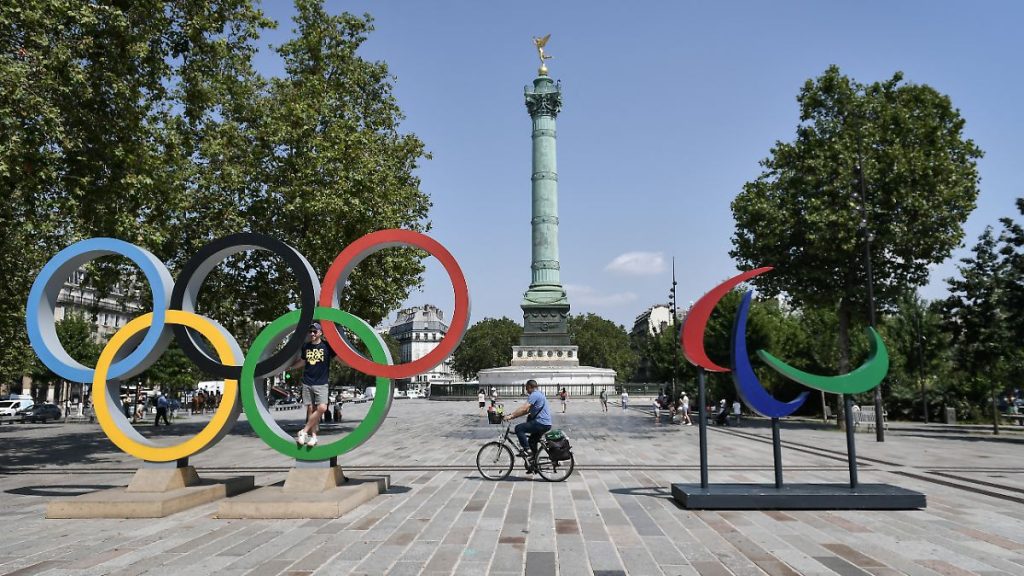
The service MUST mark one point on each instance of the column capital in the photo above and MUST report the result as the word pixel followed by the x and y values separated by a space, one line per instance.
pixel 545 99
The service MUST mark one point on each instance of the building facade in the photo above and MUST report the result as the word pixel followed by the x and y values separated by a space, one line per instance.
pixel 655 320
pixel 111 311
pixel 106 313
pixel 418 331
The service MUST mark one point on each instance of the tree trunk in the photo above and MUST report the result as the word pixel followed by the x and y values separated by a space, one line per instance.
pixel 995 412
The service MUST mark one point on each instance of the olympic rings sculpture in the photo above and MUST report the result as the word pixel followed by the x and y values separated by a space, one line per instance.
pixel 138 344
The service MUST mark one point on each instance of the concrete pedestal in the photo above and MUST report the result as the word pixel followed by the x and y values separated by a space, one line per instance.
pixel 797 497
pixel 152 493
pixel 547 376
pixel 322 492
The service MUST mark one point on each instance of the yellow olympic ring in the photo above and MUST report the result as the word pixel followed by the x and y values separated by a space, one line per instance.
pixel 120 430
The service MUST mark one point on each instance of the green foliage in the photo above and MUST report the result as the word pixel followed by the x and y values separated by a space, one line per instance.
pixel 918 358
pixel 146 121
pixel 343 375
pixel 173 373
pixel 603 344
pixel 487 344
pixel 977 319
pixel 889 155
pixel 1012 253
pixel 75 333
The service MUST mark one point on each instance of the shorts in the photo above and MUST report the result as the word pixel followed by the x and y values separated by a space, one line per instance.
pixel 314 394
pixel 482 404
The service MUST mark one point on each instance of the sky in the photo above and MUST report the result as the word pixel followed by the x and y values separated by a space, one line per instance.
pixel 667 109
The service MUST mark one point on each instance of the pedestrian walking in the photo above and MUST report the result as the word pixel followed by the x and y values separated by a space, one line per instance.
pixel 625 399
pixel 481 399
pixel 161 409
pixel 604 400
pixel 564 397
pixel 686 410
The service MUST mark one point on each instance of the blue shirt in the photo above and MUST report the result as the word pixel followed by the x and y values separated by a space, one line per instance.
pixel 539 408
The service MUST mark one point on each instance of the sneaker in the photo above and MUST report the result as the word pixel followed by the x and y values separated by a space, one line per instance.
pixel 312 441
pixel 301 438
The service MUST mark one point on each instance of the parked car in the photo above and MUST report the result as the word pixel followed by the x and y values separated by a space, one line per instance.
pixel 40 413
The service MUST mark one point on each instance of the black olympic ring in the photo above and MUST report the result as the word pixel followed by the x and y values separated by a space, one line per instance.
pixel 184 295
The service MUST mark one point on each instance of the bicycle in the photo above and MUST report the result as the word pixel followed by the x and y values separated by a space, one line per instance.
pixel 495 460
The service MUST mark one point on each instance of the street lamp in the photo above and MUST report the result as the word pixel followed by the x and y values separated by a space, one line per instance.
pixel 672 305
pixel 879 422
pixel 920 363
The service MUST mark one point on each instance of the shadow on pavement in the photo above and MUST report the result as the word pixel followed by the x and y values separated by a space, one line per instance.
pixel 82 446
pixel 652 492
pixel 59 490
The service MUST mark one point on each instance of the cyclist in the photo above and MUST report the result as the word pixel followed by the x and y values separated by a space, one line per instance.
pixel 538 421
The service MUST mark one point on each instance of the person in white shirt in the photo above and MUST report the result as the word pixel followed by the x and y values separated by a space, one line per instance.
pixel 625 399
pixel 686 410
pixel 481 399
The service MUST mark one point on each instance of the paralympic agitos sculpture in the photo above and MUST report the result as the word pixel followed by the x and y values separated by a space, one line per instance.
pixel 749 388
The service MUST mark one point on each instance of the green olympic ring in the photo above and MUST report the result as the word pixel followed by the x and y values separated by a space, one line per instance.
pixel 262 421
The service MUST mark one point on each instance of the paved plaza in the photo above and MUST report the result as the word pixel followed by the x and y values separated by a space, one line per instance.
pixel 613 516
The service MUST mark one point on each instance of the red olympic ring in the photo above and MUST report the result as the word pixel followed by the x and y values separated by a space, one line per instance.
pixel 337 275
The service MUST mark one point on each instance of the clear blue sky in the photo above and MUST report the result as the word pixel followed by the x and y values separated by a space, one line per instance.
pixel 668 107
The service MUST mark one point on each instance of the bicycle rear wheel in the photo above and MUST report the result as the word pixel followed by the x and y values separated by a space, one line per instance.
pixel 553 471
pixel 494 461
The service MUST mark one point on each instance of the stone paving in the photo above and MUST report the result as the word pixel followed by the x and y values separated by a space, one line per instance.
pixel 614 515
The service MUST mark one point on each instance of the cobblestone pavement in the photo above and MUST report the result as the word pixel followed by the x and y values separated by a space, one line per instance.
pixel 614 515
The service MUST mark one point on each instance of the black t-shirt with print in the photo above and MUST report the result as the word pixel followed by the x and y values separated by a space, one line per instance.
pixel 318 362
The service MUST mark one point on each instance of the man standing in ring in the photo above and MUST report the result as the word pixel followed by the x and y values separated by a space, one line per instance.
pixel 316 358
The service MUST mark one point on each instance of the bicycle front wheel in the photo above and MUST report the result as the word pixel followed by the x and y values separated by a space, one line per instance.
pixel 494 461
pixel 554 471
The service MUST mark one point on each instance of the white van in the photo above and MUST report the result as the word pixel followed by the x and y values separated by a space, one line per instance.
pixel 8 408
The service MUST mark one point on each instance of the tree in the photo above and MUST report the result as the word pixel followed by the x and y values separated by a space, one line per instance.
pixel 886 159
pixel 317 160
pixel 173 372
pixel 1012 252
pixel 86 94
pixel 977 320
pixel 603 344
pixel 487 344
pixel 344 375
pixel 75 333
pixel 147 121
pixel 917 346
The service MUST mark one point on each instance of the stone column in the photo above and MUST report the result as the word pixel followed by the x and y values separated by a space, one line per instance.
pixel 545 305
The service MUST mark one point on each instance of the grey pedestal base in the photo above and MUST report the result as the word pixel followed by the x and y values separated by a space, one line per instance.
pixel 796 497
pixel 308 493
pixel 128 503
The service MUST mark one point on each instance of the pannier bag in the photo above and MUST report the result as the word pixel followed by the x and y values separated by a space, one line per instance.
pixel 558 446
